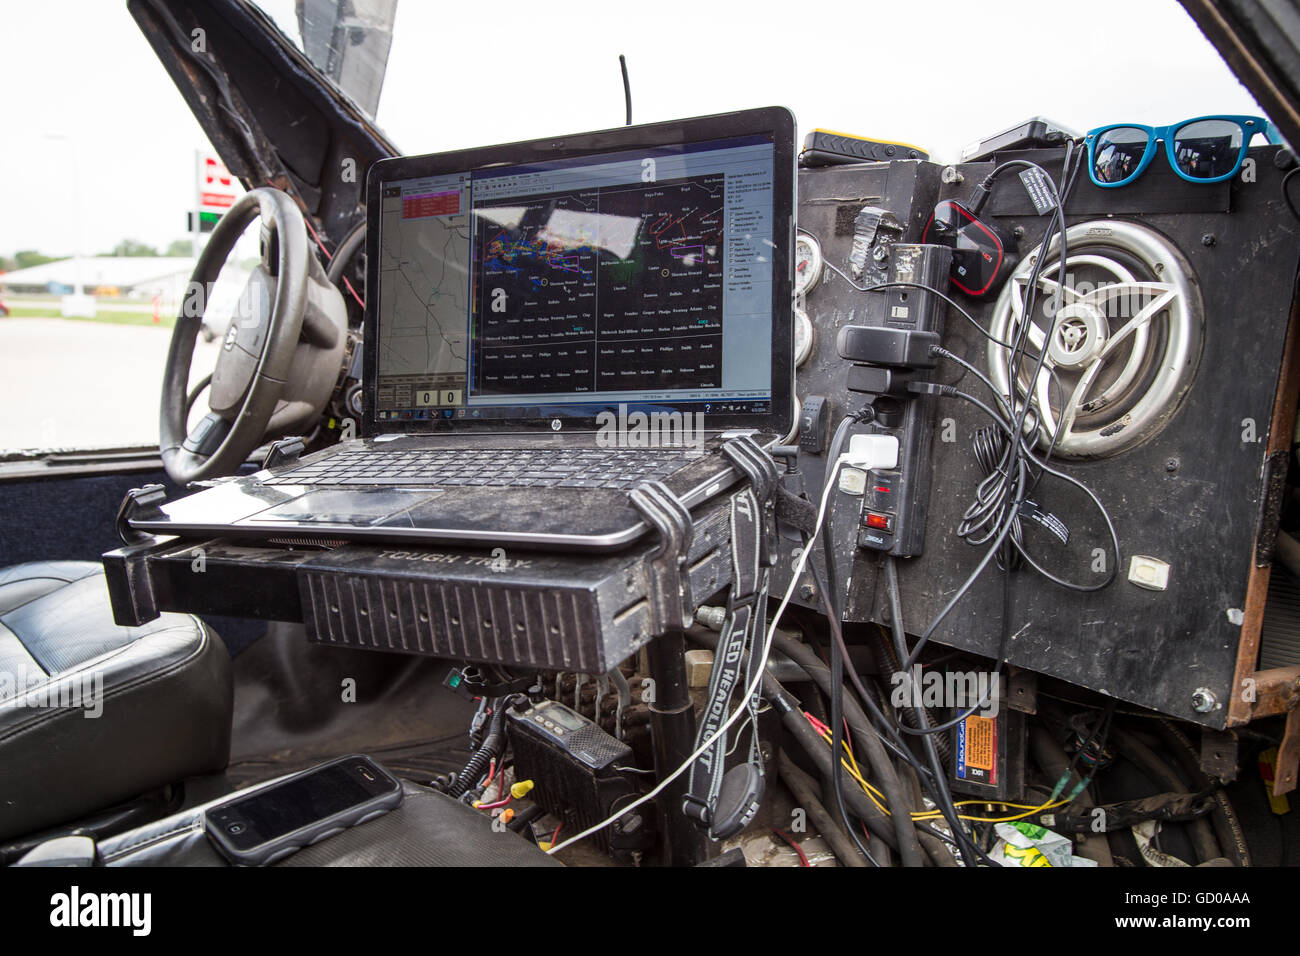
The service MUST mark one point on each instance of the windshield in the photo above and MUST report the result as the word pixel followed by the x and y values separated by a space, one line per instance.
pixel 346 40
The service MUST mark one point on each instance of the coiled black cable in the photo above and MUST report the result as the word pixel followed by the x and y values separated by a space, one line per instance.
pixel 993 455
pixel 493 744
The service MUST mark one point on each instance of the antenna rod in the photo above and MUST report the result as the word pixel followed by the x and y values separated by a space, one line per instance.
pixel 627 87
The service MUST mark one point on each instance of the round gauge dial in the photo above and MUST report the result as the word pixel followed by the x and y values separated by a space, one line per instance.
pixel 803 336
pixel 807 263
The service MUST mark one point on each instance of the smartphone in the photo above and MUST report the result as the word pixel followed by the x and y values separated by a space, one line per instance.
pixel 262 827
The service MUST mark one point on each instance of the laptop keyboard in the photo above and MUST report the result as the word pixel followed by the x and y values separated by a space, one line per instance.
pixel 502 468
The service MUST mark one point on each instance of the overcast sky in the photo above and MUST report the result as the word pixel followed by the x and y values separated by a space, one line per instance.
pixel 83 91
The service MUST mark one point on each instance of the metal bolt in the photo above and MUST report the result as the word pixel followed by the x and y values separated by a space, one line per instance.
pixel 1203 700
pixel 1208 239
pixel 880 253
pixel 1171 464
pixel 1018 232
pixel 806 592
pixel 950 175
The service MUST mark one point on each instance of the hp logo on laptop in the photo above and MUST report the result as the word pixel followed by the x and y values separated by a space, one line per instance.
pixel 556 424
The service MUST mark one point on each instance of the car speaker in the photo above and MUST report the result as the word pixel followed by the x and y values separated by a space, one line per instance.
pixel 1123 348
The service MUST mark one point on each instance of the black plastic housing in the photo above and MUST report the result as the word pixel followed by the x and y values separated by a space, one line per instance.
pixel 895 348
pixel 983 254
pixel 891 350
pixel 573 765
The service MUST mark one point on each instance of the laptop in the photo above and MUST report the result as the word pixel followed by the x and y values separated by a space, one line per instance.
pixel 548 324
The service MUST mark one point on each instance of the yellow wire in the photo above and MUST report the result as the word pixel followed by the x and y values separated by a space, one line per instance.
pixel 851 765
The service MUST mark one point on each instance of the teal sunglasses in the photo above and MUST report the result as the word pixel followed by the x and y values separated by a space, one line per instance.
pixel 1206 149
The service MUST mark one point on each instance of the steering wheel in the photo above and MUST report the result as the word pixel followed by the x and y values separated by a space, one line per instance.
pixel 256 386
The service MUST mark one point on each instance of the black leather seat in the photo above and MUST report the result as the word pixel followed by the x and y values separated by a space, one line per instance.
pixel 428 829
pixel 91 713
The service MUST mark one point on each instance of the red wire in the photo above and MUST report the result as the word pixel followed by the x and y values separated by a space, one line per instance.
pixel 329 257
pixel 360 301
pixel 817 724
pixel 557 832
pixel 803 857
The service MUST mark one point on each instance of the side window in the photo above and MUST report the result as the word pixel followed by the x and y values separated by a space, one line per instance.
pixel 107 185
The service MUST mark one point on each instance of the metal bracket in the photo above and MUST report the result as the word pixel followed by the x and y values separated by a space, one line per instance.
pixel 1219 754
pixel 1022 690
pixel 760 469
pixel 602 688
pixel 282 452
pixel 130 588
pixel 671 604
pixel 137 499
pixel 1273 483
pixel 1288 755
pixel 624 700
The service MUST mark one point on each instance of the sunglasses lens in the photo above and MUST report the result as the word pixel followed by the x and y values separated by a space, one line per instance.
pixel 1208 149
pixel 1118 153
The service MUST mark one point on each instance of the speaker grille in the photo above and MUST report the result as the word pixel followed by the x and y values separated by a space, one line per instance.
pixel 1119 355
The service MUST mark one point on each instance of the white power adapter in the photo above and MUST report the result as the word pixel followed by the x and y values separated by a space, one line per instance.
pixel 872 451
pixel 865 453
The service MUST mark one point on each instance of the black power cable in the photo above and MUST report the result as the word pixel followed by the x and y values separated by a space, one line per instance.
pixel 969 850
pixel 1286 192
pixel 943 797
pixel 1011 471
pixel 1002 420
pixel 1001 495
pixel 837 745
pixel 937 782
pixel 837 662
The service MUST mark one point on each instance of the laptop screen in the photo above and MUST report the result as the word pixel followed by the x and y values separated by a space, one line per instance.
pixel 556 287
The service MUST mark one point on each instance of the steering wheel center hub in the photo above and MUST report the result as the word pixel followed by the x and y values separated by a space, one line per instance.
pixel 241 349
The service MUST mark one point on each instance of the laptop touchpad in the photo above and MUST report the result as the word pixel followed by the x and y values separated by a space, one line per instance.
pixel 361 507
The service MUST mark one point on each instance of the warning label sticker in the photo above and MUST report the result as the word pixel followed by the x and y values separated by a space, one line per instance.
pixel 977 748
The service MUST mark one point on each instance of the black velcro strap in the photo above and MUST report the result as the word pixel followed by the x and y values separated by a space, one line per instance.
pixel 798 513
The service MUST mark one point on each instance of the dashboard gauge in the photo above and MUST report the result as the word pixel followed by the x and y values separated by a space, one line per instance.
pixel 807 263
pixel 803 336
pixel 793 437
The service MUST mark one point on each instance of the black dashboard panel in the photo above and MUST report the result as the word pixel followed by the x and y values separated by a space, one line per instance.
pixel 1188 491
